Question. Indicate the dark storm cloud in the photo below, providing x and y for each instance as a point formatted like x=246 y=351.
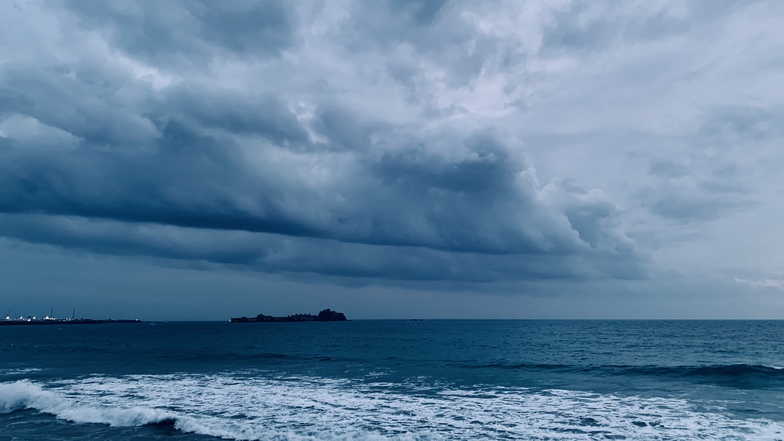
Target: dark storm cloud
x=80 y=100
x=121 y=147
x=266 y=117
x=482 y=200
x=284 y=255
x=184 y=179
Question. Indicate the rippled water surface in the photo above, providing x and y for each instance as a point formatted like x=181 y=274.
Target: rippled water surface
x=541 y=380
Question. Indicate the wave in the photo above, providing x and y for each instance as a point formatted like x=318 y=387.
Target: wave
x=26 y=395
x=317 y=408
x=515 y=366
x=729 y=370
x=253 y=357
x=23 y=394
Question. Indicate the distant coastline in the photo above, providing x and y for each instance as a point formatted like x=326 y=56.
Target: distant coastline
x=81 y=321
x=326 y=315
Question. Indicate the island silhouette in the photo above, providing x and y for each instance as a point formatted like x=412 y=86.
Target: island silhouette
x=326 y=315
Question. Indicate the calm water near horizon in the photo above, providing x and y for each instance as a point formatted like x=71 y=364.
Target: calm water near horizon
x=395 y=379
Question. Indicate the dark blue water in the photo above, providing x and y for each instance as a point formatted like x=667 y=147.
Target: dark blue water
x=544 y=380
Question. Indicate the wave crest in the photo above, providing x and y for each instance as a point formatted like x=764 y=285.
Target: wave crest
x=728 y=370
x=26 y=395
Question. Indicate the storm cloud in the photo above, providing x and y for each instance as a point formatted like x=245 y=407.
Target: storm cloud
x=393 y=143
x=129 y=147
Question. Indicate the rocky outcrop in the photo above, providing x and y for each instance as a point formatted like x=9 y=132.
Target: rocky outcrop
x=326 y=315
x=329 y=315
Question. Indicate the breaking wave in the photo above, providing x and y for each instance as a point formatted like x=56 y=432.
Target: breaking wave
x=26 y=395
x=251 y=407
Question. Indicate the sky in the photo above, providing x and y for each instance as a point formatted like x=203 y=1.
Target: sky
x=196 y=160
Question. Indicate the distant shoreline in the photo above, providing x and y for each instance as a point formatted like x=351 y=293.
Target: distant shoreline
x=63 y=322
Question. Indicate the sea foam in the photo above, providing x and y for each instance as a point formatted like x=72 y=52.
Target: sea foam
x=251 y=407
x=26 y=395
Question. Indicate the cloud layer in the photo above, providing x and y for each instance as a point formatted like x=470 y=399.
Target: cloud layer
x=399 y=141
x=287 y=139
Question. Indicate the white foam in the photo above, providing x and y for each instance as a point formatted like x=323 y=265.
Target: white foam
x=20 y=371
x=26 y=395
x=263 y=407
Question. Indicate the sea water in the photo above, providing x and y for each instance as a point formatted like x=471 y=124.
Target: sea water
x=406 y=380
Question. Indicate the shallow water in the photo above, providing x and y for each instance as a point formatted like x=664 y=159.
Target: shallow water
x=545 y=380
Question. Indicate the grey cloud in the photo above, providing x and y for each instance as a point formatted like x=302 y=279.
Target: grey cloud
x=379 y=144
x=188 y=32
x=266 y=116
x=184 y=180
x=473 y=197
x=422 y=11
x=682 y=206
x=488 y=167
x=281 y=255
x=168 y=164
x=695 y=197
x=344 y=130
x=593 y=27
x=731 y=124
x=479 y=199
x=259 y=25
x=721 y=171
x=666 y=168
x=81 y=100
x=595 y=218
x=441 y=35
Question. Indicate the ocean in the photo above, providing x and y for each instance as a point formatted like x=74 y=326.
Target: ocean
x=394 y=380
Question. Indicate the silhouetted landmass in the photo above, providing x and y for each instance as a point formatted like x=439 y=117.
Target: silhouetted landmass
x=326 y=315
x=30 y=322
